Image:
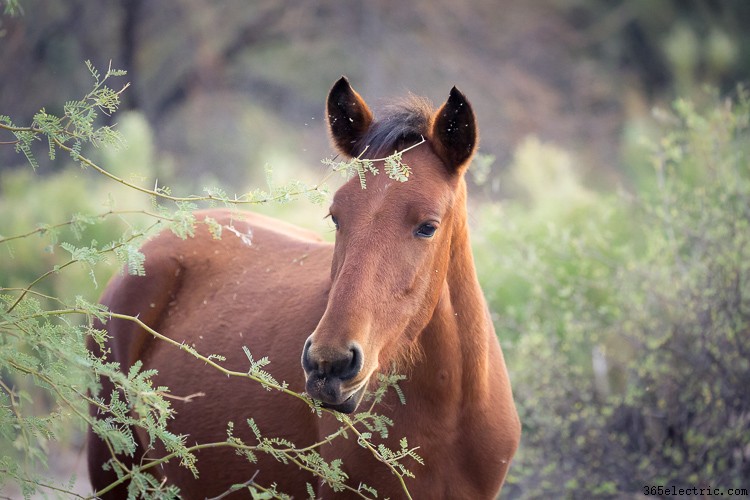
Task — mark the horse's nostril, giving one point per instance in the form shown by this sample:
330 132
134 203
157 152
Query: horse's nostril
307 364
355 364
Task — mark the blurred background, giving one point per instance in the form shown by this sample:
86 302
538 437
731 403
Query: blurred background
225 87
609 197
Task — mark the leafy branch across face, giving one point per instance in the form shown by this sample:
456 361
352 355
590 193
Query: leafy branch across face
76 128
394 166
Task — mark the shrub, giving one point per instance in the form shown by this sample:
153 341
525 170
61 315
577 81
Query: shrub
625 320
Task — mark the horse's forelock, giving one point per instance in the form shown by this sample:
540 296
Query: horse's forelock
398 125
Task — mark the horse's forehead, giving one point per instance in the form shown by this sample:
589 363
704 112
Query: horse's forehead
429 183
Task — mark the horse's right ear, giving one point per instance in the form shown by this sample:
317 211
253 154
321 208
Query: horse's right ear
349 117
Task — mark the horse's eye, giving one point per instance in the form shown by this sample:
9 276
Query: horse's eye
335 221
426 230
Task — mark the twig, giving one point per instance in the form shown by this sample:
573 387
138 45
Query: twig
38 483
232 490
40 278
185 399
73 261
102 215
34 292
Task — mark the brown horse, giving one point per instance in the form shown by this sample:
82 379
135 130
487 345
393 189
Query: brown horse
397 289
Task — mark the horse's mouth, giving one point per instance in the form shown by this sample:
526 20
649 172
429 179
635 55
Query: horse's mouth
349 404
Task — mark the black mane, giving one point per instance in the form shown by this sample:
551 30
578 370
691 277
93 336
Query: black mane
398 125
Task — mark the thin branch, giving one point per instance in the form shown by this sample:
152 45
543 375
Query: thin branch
40 278
241 200
185 399
232 490
102 215
73 261
38 483
33 292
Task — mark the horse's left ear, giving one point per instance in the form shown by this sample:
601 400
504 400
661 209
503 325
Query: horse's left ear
349 117
454 132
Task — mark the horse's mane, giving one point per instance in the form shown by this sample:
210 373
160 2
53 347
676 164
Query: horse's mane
398 125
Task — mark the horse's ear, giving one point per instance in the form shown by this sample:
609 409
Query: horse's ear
349 117
454 132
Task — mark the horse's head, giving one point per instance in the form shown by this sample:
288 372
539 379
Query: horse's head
393 239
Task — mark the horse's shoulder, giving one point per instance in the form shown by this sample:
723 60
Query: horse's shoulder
141 296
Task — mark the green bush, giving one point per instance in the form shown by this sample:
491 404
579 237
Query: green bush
625 320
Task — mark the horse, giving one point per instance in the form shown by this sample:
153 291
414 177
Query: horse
398 290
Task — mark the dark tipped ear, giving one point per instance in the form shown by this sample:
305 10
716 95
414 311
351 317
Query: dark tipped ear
349 117
454 131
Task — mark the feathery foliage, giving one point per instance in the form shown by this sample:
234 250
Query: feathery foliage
43 335
393 165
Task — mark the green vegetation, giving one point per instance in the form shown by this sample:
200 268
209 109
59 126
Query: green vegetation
625 319
47 311
622 309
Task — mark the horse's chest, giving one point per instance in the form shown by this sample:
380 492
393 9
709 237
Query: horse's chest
436 436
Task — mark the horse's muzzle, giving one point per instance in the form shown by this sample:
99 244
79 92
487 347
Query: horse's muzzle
328 370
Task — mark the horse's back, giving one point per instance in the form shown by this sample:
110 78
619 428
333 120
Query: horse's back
262 285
